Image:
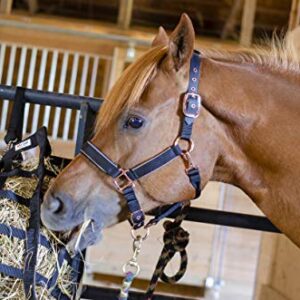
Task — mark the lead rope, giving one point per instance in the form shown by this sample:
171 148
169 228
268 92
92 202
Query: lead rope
131 268
175 240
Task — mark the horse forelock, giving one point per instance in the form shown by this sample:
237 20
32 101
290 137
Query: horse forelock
129 88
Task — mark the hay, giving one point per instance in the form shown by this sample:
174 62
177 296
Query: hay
13 250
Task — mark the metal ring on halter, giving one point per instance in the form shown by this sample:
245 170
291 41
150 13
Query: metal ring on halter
133 265
136 236
189 141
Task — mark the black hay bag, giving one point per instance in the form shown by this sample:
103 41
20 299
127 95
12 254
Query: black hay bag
34 263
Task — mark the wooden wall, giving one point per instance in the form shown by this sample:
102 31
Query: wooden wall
278 269
279 260
209 16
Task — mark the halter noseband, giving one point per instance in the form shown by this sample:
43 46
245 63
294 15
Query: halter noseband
124 179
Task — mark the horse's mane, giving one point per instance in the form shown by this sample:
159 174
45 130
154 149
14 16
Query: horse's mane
280 54
126 92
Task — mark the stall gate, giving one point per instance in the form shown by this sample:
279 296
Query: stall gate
54 70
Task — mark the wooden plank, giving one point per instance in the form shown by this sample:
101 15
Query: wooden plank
248 22
33 6
265 266
269 293
6 6
125 13
85 36
117 66
230 24
285 277
294 15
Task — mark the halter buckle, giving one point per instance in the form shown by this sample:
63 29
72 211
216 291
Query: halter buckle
191 105
122 181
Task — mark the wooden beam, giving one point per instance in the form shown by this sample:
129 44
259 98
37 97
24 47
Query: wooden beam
294 15
125 13
230 24
248 22
33 6
6 6
117 66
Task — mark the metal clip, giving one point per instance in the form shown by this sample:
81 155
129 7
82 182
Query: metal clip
188 161
131 268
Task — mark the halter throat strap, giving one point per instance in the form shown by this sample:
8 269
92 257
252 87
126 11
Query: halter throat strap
124 179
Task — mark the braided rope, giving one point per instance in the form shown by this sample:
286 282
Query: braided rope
175 240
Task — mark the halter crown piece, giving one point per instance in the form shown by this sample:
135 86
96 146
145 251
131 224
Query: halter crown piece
124 179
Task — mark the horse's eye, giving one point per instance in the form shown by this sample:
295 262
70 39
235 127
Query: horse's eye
134 122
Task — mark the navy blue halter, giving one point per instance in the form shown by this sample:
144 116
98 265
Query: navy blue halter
124 179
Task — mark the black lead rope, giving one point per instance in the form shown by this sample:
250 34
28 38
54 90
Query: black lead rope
175 240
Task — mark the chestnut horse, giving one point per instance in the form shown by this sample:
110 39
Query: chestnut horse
247 134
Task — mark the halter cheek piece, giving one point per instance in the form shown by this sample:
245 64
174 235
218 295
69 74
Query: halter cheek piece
124 179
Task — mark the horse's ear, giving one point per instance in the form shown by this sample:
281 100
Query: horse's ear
161 38
182 41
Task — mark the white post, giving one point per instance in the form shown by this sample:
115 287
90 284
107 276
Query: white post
71 91
94 76
81 91
29 85
41 79
51 86
61 89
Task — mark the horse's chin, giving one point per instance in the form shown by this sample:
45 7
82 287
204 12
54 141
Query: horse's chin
84 235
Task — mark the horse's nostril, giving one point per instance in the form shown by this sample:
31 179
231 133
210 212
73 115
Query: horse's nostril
56 205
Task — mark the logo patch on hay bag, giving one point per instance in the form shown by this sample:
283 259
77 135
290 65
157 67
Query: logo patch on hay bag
22 145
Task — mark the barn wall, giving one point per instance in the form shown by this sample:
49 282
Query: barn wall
278 270
237 249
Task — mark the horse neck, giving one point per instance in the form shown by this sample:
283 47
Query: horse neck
258 110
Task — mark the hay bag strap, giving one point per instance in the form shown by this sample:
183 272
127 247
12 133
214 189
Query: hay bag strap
39 139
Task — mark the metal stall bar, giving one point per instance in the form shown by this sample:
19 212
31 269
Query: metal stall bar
85 126
50 98
87 106
225 218
100 293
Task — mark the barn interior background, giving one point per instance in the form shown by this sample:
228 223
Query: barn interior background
81 47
